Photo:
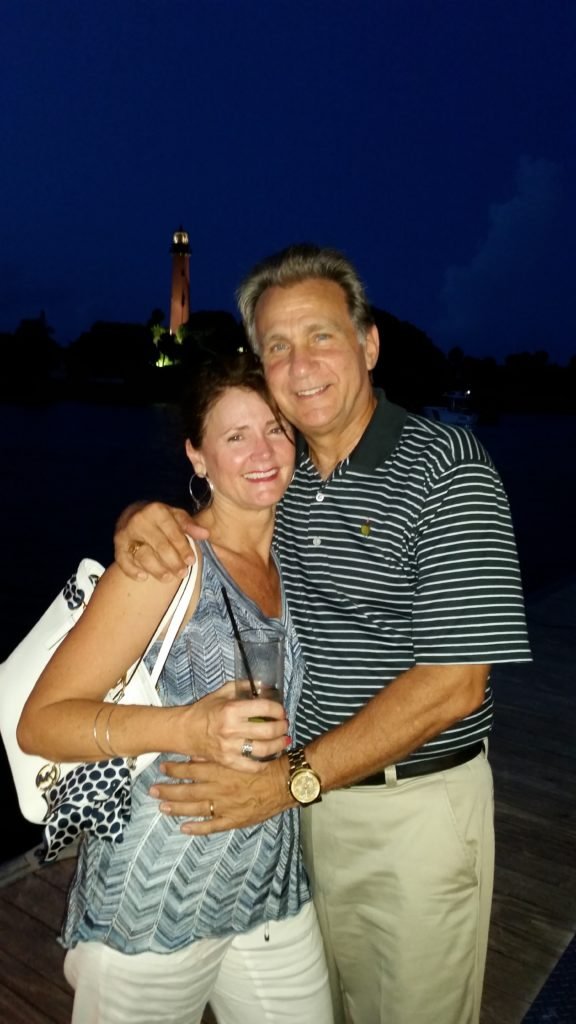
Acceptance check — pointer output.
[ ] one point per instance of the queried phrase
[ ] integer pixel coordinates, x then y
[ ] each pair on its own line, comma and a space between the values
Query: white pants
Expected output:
402, 878
246, 979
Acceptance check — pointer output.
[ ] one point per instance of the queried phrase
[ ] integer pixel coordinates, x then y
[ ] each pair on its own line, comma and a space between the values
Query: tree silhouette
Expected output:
157, 316
111, 351
35, 354
410, 368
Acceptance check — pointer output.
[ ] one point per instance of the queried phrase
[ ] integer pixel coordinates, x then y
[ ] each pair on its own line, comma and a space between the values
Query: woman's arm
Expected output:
66, 719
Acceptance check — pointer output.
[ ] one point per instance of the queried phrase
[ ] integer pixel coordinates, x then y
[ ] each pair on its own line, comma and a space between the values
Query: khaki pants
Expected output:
402, 877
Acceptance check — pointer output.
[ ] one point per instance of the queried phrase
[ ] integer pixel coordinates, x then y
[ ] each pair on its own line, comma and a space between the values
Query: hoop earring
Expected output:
206, 497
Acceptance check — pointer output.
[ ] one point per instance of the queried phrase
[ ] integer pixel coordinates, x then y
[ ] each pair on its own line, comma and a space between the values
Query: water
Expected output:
536, 458
68, 469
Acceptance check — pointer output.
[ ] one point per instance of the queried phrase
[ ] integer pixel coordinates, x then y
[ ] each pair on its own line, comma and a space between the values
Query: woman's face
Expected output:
245, 452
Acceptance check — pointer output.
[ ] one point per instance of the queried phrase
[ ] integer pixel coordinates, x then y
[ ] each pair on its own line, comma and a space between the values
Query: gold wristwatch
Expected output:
303, 782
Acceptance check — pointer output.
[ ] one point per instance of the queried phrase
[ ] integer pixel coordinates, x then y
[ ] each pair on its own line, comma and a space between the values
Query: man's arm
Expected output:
418, 705
150, 540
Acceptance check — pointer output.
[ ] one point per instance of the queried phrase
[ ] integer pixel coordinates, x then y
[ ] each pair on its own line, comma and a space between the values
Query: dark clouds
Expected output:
522, 272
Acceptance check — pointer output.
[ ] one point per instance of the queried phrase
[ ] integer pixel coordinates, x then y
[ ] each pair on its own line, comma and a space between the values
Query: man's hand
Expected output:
151, 540
224, 798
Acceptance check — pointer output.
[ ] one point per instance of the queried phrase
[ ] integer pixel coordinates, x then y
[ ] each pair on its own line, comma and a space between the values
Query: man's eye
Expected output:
276, 346
322, 336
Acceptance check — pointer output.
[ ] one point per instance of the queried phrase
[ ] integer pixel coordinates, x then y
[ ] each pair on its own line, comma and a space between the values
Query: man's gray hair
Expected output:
300, 263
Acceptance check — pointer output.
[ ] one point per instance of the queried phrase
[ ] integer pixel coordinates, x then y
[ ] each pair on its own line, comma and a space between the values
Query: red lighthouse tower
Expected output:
180, 296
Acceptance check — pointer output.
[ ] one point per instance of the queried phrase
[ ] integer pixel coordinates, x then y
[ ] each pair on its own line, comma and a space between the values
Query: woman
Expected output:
161, 923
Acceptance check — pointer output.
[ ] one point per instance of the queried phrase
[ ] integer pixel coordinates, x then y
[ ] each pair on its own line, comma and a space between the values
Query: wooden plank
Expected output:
536, 946
37, 990
32, 943
534, 864
60, 874
533, 754
36, 897
523, 833
502, 1003
20, 1011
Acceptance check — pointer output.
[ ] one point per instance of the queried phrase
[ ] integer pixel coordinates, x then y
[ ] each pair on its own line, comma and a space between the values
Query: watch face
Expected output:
305, 786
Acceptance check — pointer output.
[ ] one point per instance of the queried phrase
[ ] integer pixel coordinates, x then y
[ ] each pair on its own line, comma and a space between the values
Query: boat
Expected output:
454, 409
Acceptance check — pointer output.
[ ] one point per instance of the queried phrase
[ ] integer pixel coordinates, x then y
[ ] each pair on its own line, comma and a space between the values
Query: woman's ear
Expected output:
196, 458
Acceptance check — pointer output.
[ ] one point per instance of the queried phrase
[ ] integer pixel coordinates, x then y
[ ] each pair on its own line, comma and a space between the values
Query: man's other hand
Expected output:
150, 539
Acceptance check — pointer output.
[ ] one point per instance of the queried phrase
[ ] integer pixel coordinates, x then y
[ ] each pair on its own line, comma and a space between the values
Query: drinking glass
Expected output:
259, 655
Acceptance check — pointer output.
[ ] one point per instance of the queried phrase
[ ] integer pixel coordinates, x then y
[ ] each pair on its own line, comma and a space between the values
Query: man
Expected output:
400, 568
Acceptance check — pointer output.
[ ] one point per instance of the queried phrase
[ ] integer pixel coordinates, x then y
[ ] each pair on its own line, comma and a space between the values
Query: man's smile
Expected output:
312, 392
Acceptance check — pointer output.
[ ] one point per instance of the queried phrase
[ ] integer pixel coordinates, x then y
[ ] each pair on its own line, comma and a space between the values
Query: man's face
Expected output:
316, 368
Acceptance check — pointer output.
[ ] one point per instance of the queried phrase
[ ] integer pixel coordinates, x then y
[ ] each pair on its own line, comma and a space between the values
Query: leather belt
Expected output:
425, 767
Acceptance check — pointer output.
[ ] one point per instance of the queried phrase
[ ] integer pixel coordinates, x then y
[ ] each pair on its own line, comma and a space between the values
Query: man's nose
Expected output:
300, 361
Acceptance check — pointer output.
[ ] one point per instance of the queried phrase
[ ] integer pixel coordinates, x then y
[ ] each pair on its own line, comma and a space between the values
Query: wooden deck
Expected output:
533, 752
32, 986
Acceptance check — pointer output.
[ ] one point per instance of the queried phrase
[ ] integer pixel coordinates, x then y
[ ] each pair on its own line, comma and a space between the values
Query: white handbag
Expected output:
33, 776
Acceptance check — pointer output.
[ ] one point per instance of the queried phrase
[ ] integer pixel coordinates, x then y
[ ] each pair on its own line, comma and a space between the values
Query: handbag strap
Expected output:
174, 615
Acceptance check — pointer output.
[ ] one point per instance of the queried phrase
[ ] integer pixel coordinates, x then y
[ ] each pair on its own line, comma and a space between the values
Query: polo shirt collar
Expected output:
378, 440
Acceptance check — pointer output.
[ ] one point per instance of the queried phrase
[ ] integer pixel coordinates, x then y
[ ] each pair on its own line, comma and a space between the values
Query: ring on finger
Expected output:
211, 809
135, 546
247, 748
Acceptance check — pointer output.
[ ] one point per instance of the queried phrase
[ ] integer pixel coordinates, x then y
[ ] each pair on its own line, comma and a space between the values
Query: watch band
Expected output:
297, 759
304, 783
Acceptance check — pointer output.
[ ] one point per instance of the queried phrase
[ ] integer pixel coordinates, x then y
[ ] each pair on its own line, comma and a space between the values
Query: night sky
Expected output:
434, 141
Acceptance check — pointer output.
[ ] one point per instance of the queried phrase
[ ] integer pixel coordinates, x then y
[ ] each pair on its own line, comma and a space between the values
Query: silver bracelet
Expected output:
95, 730
108, 742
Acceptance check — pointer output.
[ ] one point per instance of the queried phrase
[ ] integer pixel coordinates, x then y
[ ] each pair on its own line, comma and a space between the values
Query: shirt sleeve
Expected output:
469, 605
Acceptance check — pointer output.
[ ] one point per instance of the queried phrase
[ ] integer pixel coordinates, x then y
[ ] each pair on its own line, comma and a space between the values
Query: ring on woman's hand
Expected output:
247, 748
135, 546
211, 809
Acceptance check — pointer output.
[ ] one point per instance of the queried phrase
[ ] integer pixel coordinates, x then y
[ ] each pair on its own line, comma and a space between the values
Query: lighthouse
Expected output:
180, 295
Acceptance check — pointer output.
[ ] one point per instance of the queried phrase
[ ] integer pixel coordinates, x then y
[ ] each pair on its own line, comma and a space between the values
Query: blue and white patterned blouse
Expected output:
160, 890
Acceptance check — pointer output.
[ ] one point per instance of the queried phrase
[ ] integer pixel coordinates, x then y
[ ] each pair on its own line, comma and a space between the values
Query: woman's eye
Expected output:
235, 437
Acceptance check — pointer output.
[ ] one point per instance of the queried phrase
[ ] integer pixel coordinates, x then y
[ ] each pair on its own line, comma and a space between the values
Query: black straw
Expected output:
253, 689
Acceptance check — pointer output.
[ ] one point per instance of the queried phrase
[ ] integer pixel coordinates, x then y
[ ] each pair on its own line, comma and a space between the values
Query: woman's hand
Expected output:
152, 540
223, 727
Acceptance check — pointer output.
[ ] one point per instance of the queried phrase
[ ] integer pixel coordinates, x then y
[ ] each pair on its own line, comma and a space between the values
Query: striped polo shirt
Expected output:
405, 555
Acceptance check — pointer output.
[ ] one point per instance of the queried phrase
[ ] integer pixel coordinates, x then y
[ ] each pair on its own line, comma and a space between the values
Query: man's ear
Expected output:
371, 347
196, 458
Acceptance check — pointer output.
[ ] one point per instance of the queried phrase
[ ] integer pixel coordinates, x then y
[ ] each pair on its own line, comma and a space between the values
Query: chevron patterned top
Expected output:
159, 889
